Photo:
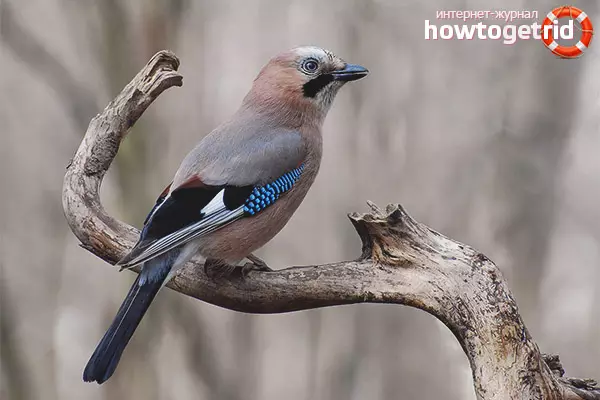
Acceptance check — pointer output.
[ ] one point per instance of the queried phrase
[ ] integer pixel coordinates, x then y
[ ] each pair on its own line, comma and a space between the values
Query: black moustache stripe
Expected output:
315, 85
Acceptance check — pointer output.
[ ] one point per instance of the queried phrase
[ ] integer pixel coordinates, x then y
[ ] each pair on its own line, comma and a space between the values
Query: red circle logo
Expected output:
587, 31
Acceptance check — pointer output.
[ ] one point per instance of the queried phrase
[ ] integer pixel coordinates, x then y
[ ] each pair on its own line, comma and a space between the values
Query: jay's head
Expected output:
304, 77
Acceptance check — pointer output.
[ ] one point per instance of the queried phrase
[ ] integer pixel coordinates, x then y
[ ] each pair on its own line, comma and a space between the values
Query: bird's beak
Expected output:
351, 72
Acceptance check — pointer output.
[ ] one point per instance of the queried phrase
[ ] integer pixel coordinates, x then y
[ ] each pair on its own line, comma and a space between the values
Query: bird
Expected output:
236, 189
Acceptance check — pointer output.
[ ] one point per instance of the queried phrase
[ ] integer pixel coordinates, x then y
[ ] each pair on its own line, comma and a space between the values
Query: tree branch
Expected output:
402, 262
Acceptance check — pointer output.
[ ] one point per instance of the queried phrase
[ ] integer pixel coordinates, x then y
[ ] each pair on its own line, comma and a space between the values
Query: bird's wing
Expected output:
244, 154
195, 208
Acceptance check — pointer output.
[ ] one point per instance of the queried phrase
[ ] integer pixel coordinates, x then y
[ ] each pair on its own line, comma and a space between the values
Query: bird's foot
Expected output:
256, 264
250, 266
219, 269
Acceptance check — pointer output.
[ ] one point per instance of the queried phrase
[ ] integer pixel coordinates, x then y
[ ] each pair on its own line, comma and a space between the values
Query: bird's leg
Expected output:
219, 269
256, 264
216, 269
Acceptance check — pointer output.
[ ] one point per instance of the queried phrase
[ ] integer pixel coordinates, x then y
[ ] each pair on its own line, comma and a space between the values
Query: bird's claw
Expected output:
218, 269
256, 264
250, 266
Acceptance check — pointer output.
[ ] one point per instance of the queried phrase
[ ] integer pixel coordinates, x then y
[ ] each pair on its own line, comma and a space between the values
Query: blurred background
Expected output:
493, 145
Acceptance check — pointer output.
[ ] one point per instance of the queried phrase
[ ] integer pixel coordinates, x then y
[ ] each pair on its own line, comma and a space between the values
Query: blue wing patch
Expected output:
264, 196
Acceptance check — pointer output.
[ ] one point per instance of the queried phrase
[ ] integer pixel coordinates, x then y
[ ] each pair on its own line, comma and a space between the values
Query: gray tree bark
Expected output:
402, 262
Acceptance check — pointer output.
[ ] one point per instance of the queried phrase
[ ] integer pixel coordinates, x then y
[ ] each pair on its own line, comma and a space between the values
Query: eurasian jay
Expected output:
236, 189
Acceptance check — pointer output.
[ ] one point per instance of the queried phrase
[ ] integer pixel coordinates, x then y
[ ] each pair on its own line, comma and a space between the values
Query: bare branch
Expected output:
402, 262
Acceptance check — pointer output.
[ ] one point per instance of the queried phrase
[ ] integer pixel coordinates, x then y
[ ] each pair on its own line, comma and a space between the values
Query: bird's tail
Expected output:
104, 361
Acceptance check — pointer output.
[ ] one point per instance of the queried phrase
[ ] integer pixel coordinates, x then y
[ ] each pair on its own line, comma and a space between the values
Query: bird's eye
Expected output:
310, 66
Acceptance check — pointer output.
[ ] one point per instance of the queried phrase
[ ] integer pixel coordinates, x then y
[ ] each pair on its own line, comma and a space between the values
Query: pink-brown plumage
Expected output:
277, 90
273, 139
234, 242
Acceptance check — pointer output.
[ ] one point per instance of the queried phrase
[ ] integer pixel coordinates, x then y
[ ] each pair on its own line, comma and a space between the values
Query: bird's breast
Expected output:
234, 242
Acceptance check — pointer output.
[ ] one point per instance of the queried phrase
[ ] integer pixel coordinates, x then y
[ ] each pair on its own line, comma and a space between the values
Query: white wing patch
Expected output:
215, 204
216, 216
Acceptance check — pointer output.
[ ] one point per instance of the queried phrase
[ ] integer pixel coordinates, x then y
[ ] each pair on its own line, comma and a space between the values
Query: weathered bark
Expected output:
402, 262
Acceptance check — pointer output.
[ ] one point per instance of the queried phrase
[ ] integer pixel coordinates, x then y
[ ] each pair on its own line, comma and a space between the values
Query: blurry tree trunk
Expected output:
15, 381
528, 156
79, 104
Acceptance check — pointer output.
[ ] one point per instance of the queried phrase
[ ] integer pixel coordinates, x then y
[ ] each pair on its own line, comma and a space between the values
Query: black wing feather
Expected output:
182, 208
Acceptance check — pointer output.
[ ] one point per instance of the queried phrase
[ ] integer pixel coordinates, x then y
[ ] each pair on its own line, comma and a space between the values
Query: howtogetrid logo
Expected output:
564, 38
